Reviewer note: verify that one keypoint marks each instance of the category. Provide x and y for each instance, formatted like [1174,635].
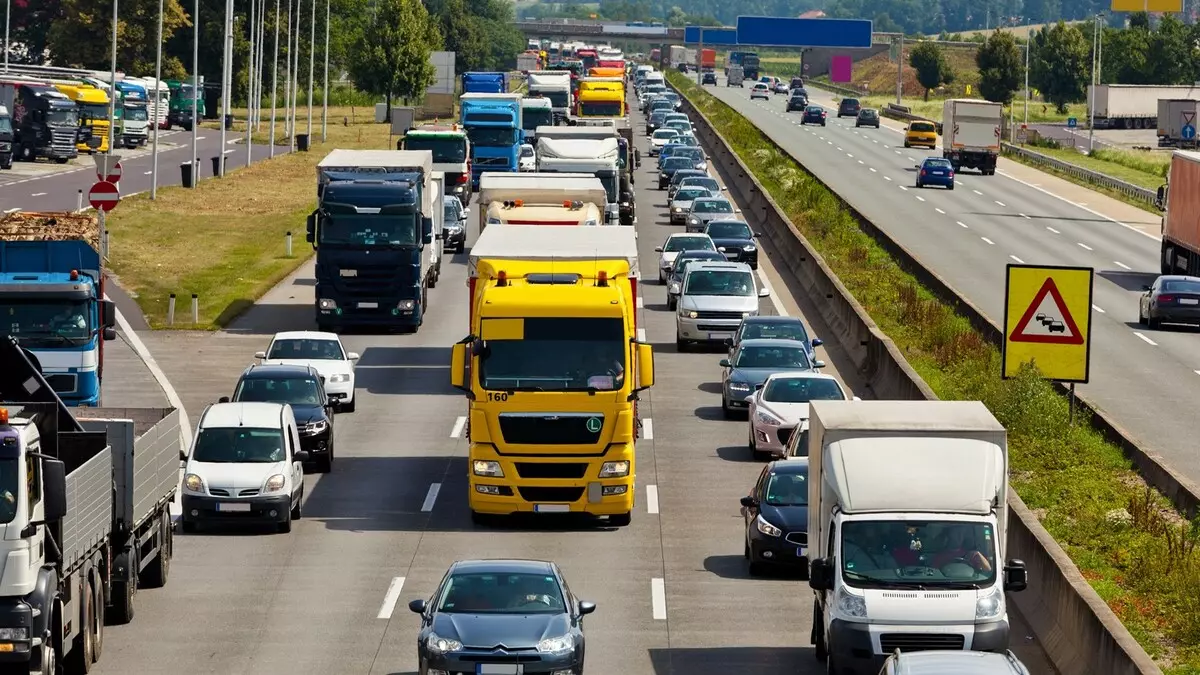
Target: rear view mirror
[353,356]
[458,366]
[724,363]
[1146,288]
[1016,577]
[54,489]
[817,342]
[748,502]
[764,292]
[728,342]
[310,227]
[658,249]
[417,606]
[466,212]
[820,575]
[586,607]
[818,364]
[223,399]
[301,456]
[108,314]
[260,355]
[109,334]
[645,366]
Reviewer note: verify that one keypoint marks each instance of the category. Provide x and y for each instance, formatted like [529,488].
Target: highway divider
[1077,629]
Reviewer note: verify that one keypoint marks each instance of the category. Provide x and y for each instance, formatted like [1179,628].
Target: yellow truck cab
[551,369]
[601,97]
[92,104]
[541,199]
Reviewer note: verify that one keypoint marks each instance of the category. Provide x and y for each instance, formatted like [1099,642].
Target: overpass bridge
[584,29]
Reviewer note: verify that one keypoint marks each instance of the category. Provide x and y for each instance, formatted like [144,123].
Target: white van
[245,466]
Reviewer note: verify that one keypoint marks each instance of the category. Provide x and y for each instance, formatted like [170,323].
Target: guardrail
[1079,632]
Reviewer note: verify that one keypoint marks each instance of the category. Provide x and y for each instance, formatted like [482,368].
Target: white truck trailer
[971,134]
[556,86]
[677,56]
[907,519]
[1134,106]
[598,157]
[541,199]
[1174,116]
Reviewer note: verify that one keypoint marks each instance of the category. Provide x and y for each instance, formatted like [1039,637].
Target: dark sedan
[1170,299]
[681,176]
[709,78]
[300,387]
[798,101]
[775,328]
[867,117]
[454,226]
[655,121]
[776,516]
[501,616]
[848,107]
[669,167]
[813,114]
[753,362]
[735,239]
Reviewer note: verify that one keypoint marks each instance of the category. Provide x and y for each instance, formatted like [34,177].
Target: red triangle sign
[1052,325]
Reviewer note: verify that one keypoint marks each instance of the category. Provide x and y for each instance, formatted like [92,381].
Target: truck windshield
[362,229]
[96,111]
[600,108]
[45,323]
[138,114]
[610,187]
[5,125]
[532,118]
[446,150]
[62,118]
[186,91]
[558,99]
[492,137]
[557,355]
[10,477]
[238,445]
[926,554]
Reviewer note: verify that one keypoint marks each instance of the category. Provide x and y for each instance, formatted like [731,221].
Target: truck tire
[621,519]
[82,654]
[98,616]
[124,588]
[156,573]
[818,637]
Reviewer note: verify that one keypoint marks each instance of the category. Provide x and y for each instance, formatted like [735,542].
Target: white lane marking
[658,599]
[898,152]
[861,162]
[1145,339]
[431,497]
[651,499]
[641,303]
[872,169]
[989,241]
[1084,246]
[648,429]
[1025,216]
[850,155]
[961,223]
[904,188]
[1039,188]
[977,192]
[1053,230]
[1122,265]
[1097,308]
[458,427]
[641,335]
[38,194]
[999,202]
[939,210]
[390,598]
[147,173]
[840,150]
[1016,259]
[887,177]
[1196,372]
[920,198]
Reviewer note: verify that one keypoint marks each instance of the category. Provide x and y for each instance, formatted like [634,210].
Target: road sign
[1048,320]
[104,196]
[712,36]
[1072,122]
[1188,132]
[108,167]
[781,31]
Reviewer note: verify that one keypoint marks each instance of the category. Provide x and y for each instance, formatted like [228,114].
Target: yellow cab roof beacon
[552,368]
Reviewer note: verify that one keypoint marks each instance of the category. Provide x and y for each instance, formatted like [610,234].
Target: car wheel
[919,184]
[951,186]
[755,569]
[725,409]
[298,510]
[1153,323]
[1141,316]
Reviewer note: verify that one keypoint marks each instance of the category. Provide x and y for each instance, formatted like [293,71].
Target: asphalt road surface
[672,589]
[1148,380]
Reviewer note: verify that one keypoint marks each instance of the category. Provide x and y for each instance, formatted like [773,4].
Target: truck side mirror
[310,228]
[109,334]
[820,574]
[108,314]
[1160,197]
[645,367]
[1016,577]
[54,489]
[426,230]
[458,366]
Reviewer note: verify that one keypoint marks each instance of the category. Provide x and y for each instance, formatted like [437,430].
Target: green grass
[1140,168]
[1134,549]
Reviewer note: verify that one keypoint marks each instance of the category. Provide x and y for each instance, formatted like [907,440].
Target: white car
[678,243]
[760,90]
[528,158]
[780,406]
[661,139]
[322,351]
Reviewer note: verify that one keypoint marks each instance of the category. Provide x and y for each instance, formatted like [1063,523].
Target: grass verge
[1143,169]
[1095,187]
[223,240]
[1136,551]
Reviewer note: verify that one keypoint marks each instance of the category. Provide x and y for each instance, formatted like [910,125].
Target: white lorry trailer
[437,245]
[907,519]
[541,199]
[86,517]
[677,56]
[971,134]
[1134,106]
[598,157]
[556,86]
[1174,115]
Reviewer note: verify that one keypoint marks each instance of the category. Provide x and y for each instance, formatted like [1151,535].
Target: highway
[1147,380]
[380,530]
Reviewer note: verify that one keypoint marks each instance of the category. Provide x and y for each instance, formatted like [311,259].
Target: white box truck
[1134,106]
[1174,114]
[599,157]
[971,133]
[907,518]
[556,86]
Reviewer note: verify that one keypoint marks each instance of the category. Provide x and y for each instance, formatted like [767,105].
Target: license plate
[233,507]
[719,336]
[801,552]
[368,305]
[549,508]
[497,669]
[1189,301]
[938,173]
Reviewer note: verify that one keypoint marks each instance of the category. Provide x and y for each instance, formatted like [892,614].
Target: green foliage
[930,63]
[1060,64]
[391,57]
[1000,67]
[480,32]
[82,33]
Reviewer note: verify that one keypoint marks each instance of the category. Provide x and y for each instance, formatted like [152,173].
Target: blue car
[935,171]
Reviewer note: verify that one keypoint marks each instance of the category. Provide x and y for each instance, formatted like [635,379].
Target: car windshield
[787,489]
[684,259]
[773,356]
[527,151]
[760,85]
[924,127]
[557,354]
[924,554]
[501,594]
[369,229]
[850,103]
[813,109]
[679,125]
[937,164]
[689,151]
[712,206]
[708,183]
[45,322]
[675,163]
[675,244]
[136,114]
[720,282]
[802,390]
[729,231]
[664,134]
[6,125]
[238,445]
[774,330]
[867,112]
[688,140]
[306,349]
[1180,286]
[690,193]
[294,390]
[450,213]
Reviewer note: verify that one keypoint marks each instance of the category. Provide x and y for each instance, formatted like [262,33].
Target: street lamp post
[195,93]
[325,95]
[274,78]
[312,59]
[112,92]
[157,105]
[7,24]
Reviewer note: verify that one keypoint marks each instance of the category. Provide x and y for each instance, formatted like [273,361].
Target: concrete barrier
[1078,631]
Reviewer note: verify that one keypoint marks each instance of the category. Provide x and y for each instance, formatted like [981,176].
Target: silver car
[681,202]
[678,243]
[704,210]
[960,663]
[714,299]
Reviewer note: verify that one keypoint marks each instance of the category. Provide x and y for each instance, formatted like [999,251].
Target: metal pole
[900,71]
[287,86]
[274,78]
[250,86]
[295,75]
[7,25]
[700,59]
[312,61]
[226,88]
[1027,43]
[1092,97]
[157,105]
[325,95]
[112,91]
[195,94]
[262,51]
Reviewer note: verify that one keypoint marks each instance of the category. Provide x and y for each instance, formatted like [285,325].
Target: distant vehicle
[300,387]
[963,663]
[528,158]
[680,176]
[776,328]
[780,406]
[760,90]
[1170,299]
[867,117]
[797,101]
[935,171]
[780,87]
[678,243]
[655,121]
[776,518]
[715,297]
[671,165]
[734,239]
[753,362]
[681,202]
[848,107]
[709,78]
[796,83]
[711,208]
[454,232]
[922,133]
[813,114]
[734,77]
[322,351]
[660,138]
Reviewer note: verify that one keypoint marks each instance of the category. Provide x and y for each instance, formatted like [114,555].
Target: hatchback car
[680,177]
[813,114]
[454,229]
[704,210]
[301,388]
[675,278]
[492,616]
[660,138]
[848,107]
[935,171]
[957,662]
[708,78]
[528,158]
[780,405]
[713,300]
[776,517]
[674,116]
[797,101]
[753,362]
[670,166]
[682,126]
[681,202]
[322,351]
[735,240]
[920,133]
[678,243]
[1170,299]
[867,117]
[700,162]
[687,139]
[760,90]
[796,83]
[655,121]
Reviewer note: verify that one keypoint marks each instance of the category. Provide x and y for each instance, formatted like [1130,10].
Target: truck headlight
[852,605]
[274,483]
[11,634]
[406,305]
[326,303]
[989,606]
[614,469]
[441,645]
[193,483]
[482,467]
[767,528]
[677,209]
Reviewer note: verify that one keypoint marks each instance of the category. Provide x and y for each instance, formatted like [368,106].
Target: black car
[454,225]
[796,83]
[848,107]
[675,278]
[656,120]
[681,175]
[774,328]
[709,78]
[1172,298]
[776,516]
[302,388]
[511,616]
[735,240]
[813,114]
[867,117]
[798,101]
[669,167]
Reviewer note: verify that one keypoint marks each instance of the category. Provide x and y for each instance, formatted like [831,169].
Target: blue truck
[52,298]
[485,83]
[372,231]
[494,125]
[749,62]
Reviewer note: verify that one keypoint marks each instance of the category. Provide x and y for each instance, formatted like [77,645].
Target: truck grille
[564,429]
[369,280]
[556,470]
[551,494]
[797,538]
[920,642]
[63,383]
[491,162]
[719,315]
[60,138]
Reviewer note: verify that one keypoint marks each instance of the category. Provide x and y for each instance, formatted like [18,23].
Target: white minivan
[245,466]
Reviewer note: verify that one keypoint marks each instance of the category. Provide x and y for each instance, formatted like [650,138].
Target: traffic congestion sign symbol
[1072,122]
[1047,320]
[104,196]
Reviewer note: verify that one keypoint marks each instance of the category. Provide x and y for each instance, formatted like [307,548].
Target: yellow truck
[541,199]
[600,97]
[92,104]
[551,370]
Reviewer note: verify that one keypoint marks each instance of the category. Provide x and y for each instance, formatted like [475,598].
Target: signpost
[104,197]
[713,37]
[780,31]
[108,167]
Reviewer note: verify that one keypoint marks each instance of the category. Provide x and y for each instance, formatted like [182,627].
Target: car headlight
[663,174]
[749,247]
[326,303]
[313,428]
[694,221]
[406,305]
[739,386]
[767,418]
[454,229]
[691,314]
[677,209]
[747,315]
[557,645]
[441,645]
[614,469]
[482,467]
[673,289]
[766,528]
[193,483]
[339,377]
[274,483]
[990,605]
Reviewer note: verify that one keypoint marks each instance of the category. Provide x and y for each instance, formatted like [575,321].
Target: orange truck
[1180,200]
[708,60]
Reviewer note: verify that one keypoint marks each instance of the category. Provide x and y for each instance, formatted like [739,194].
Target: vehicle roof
[800,374]
[698,174]
[719,266]
[957,663]
[769,342]
[677,235]
[698,254]
[681,190]
[305,335]
[378,159]
[277,370]
[1178,277]
[247,414]
[935,160]
[502,566]
[794,465]
[714,199]
[726,221]
[773,319]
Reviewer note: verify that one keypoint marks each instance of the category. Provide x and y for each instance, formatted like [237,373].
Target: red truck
[708,60]
[1180,199]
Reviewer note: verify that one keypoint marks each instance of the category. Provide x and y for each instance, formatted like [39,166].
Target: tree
[1000,67]
[81,34]
[1171,56]
[391,56]
[462,34]
[31,21]
[1060,64]
[930,63]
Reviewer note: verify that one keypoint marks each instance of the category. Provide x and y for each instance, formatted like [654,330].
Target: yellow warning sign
[1048,320]
[1147,5]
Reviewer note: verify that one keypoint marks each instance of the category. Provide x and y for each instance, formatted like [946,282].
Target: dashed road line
[1122,265]
[961,224]
[919,198]
[457,430]
[939,210]
[1025,216]
[658,599]
[887,177]
[872,169]
[651,499]
[1084,246]
[648,429]
[904,188]
[1097,308]
[999,203]
[1145,339]
[989,241]
[1053,230]
[861,162]
[390,598]
[431,497]
[1016,259]
[38,194]
[977,192]
[641,304]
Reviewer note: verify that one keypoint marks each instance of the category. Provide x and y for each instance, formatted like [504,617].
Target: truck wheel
[98,620]
[82,654]
[818,637]
[49,660]
[123,591]
[621,519]
[155,574]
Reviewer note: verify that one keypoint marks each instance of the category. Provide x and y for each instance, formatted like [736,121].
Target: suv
[848,107]
[714,298]
[797,101]
[709,78]
[867,117]
[302,388]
